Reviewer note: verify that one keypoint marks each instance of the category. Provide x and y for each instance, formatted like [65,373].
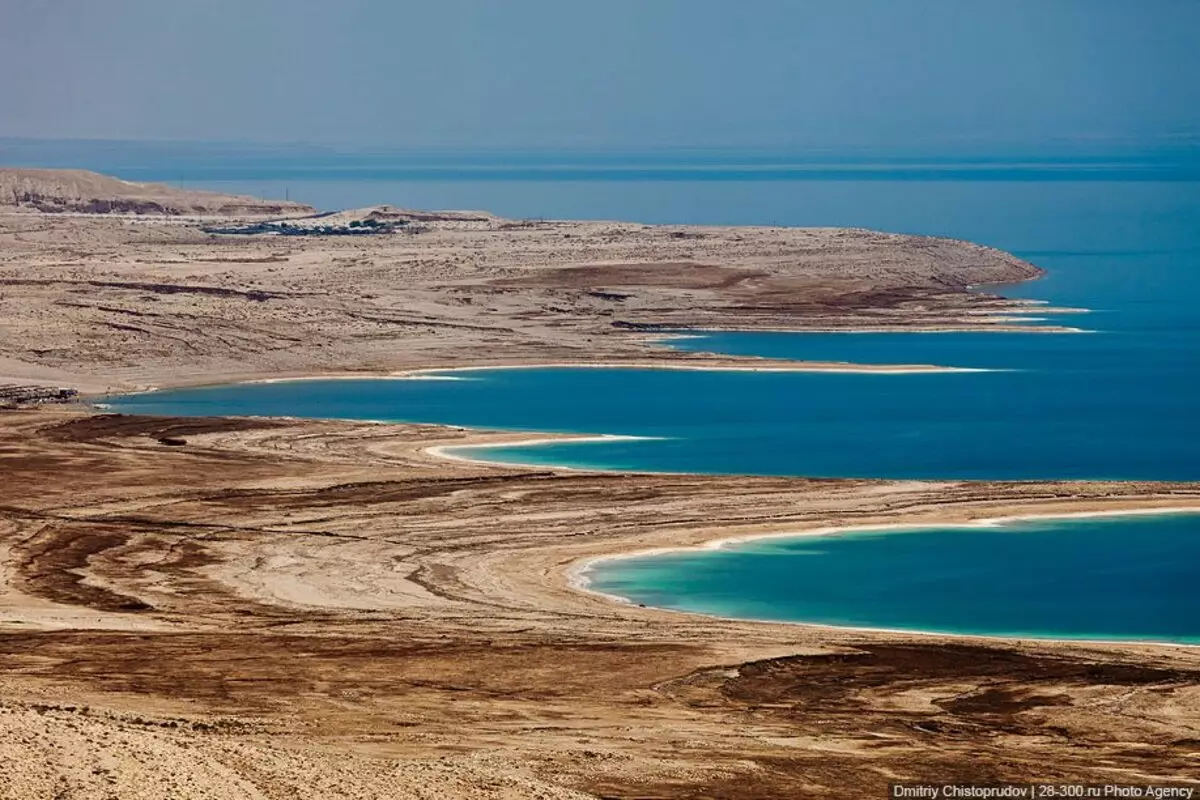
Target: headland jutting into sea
[207,587]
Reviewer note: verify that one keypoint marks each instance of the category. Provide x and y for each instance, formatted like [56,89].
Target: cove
[1119,402]
[1118,578]
[1037,423]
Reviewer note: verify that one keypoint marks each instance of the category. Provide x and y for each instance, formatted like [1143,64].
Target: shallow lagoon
[1024,424]
[1128,577]
[1120,402]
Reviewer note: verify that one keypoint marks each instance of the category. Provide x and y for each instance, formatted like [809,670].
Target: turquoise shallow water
[1121,240]
[1096,578]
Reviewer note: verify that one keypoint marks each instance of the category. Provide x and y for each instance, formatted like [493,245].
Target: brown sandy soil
[275,609]
[279,609]
[95,301]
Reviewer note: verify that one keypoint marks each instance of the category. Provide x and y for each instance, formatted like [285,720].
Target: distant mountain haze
[620,73]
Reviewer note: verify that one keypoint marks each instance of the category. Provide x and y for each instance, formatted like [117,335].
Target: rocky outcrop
[80,191]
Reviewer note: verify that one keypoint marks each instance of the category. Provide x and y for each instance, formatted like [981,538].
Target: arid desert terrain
[269,608]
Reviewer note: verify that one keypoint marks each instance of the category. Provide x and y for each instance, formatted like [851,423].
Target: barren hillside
[57,190]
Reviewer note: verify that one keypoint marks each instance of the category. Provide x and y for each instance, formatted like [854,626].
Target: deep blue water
[1100,578]
[997,425]
[1115,403]
[1119,235]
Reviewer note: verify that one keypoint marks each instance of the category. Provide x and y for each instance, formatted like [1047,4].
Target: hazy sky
[601,72]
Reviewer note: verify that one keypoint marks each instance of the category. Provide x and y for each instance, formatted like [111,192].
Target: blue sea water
[1118,234]
[1101,578]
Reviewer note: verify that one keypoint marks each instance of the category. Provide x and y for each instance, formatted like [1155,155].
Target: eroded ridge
[256,607]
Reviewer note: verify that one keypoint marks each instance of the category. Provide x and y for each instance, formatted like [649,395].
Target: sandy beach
[726,364]
[278,608]
[454,452]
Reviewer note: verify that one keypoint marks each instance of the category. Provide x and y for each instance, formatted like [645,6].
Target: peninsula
[275,608]
[122,300]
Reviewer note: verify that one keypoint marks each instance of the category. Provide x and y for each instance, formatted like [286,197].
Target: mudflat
[275,608]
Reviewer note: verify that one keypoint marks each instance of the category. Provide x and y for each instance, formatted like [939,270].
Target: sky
[592,73]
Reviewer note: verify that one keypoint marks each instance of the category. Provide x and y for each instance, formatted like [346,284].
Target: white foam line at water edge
[418,375]
[857,629]
[304,379]
[577,573]
[1036,308]
[1022,327]
[439,373]
[670,337]
[447,450]
[997,326]
[879,369]
[143,390]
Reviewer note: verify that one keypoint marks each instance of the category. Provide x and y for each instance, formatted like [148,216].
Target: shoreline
[721,364]
[1002,325]
[190,593]
[423,583]
[435,373]
[800,366]
[443,451]
[663,360]
[576,573]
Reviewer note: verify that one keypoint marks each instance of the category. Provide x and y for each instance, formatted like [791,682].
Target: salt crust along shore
[341,587]
[439,373]
[798,366]
[166,304]
[305,608]
[577,573]
[450,451]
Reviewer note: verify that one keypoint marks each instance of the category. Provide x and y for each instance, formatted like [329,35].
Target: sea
[1116,227]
